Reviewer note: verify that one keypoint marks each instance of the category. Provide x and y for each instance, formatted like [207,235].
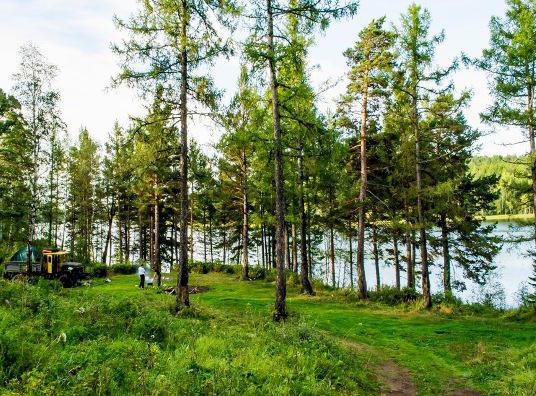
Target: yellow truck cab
[53,261]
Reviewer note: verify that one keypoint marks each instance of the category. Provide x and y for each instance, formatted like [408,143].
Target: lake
[513,267]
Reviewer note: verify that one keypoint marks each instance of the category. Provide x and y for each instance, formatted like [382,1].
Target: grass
[522,217]
[114,338]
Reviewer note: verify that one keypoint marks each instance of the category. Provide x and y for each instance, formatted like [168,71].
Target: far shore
[522,217]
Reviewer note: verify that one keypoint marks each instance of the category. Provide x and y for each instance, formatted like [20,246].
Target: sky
[76,36]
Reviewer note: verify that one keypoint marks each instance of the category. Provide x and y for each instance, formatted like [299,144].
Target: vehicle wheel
[65,281]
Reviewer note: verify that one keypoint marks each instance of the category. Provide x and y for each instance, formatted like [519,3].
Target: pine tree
[171,40]
[265,47]
[370,62]
[39,102]
[417,50]
[16,167]
[510,61]
[83,169]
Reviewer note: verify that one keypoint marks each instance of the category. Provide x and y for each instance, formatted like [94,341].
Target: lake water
[513,267]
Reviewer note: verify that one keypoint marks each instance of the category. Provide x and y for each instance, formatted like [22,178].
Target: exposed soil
[395,380]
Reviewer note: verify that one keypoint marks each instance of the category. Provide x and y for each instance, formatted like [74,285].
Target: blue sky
[76,35]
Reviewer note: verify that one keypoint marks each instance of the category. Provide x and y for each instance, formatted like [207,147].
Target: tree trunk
[263,243]
[351,264]
[306,286]
[427,299]
[287,248]
[191,240]
[294,249]
[245,234]
[183,299]
[409,262]
[224,246]
[281,288]
[396,260]
[376,256]
[204,238]
[127,236]
[309,252]
[108,233]
[157,265]
[120,229]
[446,255]
[332,255]
[210,241]
[151,238]
[361,278]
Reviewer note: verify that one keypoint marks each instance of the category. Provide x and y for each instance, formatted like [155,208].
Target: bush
[123,269]
[200,267]
[257,273]
[97,270]
[392,296]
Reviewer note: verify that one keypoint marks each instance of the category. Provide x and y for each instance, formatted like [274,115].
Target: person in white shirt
[141,273]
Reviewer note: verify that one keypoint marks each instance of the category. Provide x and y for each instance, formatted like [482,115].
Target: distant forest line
[514,184]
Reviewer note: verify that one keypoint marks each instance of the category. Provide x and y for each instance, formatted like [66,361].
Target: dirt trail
[395,380]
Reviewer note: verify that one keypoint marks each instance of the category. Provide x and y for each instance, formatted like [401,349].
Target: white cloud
[76,36]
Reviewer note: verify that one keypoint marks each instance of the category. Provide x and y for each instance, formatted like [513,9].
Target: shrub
[199,267]
[392,296]
[97,270]
[123,268]
[257,273]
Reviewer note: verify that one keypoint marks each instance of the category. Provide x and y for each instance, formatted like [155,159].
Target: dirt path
[395,380]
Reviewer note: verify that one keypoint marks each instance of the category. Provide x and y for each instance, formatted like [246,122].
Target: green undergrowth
[113,338]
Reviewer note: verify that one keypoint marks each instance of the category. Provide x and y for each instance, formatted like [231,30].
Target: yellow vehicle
[50,264]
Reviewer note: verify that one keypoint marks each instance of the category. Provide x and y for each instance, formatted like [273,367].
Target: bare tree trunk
[157,264]
[183,299]
[127,236]
[396,260]
[427,299]
[120,229]
[376,256]
[151,238]
[306,286]
[309,253]
[446,255]
[294,249]
[211,244]
[245,234]
[351,264]
[204,238]
[409,262]
[109,233]
[263,243]
[191,245]
[361,278]
[332,255]
[224,246]
[281,288]
[287,248]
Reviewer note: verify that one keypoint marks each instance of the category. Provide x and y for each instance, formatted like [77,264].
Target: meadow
[113,338]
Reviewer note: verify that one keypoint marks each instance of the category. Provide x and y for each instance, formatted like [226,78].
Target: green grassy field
[112,338]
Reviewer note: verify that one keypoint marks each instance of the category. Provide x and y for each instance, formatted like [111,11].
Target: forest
[292,197]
